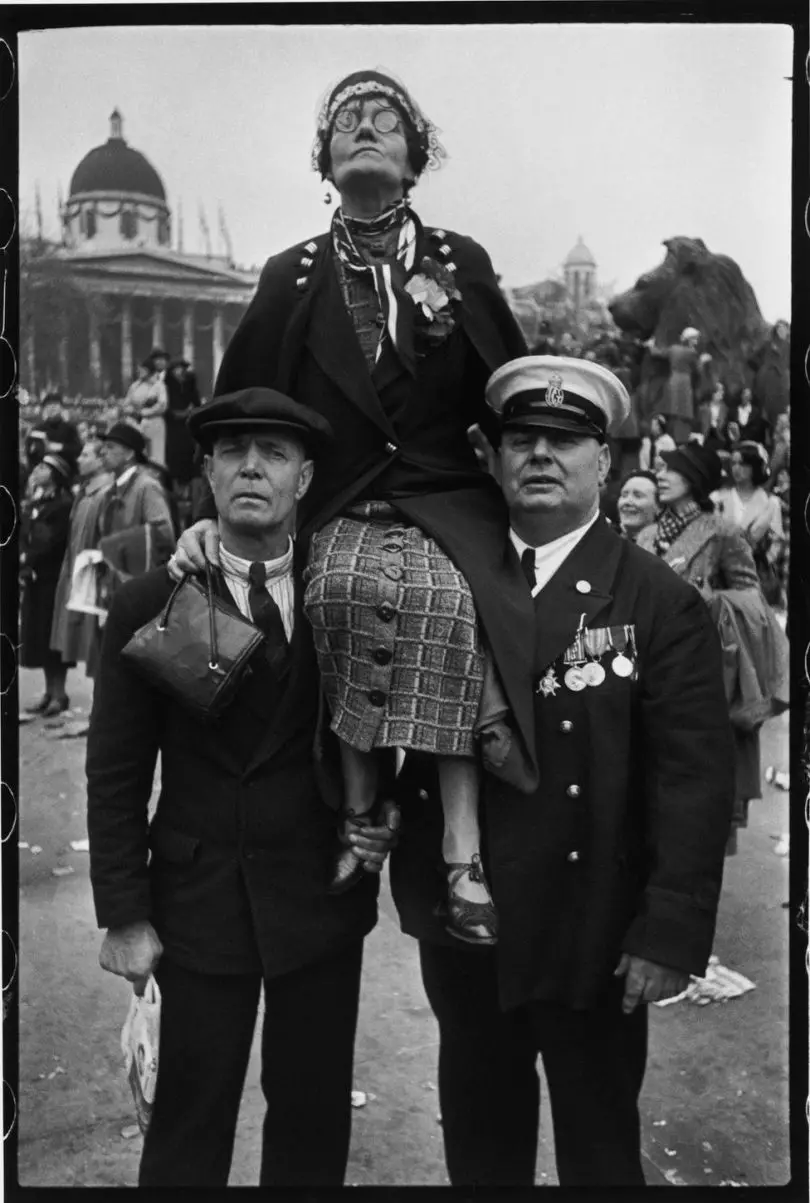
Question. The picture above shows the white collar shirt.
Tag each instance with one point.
(126, 476)
(551, 556)
(278, 583)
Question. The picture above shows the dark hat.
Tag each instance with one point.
(259, 409)
(52, 397)
(60, 464)
(560, 393)
(157, 353)
(701, 466)
(179, 363)
(127, 436)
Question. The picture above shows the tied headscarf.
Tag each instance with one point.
(388, 278)
(672, 523)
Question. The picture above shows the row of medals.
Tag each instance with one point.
(585, 656)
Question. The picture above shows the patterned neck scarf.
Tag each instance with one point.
(671, 524)
(388, 278)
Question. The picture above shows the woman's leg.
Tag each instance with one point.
(459, 788)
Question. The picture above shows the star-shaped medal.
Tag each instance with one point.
(548, 685)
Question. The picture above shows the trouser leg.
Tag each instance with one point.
(489, 1092)
(307, 1062)
(594, 1062)
(206, 1029)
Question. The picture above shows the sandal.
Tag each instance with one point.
(465, 917)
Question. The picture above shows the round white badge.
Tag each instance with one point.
(593, 673)
(583, 586)
(575, 680)
(622, 666)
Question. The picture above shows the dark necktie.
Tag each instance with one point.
(267, 616)
(527, 564)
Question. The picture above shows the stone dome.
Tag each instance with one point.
(116, 167)
(580, 256)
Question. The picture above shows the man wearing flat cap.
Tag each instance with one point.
(607, 878)
(224, 893)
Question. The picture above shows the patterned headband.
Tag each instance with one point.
(426, 131)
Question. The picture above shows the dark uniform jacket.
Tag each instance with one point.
(233, 868)
(621, 847)
(399, 438)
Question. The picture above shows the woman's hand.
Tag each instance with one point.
(372, 845)
(196, 545)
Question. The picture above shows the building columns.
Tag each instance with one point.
(157, 326)
(218, 339)
(188, 332)
(126, 343)
(95, 353)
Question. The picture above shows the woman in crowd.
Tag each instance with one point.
(712, 421)
(43, 541)
(637, 505)
(680, 391)
(73, 634)
(147, 401)
(390, 331)
(703, 548)
(658, 440)
(181, 454)
(748, 507)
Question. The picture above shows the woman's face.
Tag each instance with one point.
(368, 145)
(719, 392)
(741, 472)
(672, 487)
(638, 504)
(655, 428)
(41, 477)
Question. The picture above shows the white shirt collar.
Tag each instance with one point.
(549, 549)
(274, 569)
(125, 476)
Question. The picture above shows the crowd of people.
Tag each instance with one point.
(122, 487)
(533, 679)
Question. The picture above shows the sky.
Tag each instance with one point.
(623, 134)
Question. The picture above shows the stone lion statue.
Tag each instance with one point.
(695, 287)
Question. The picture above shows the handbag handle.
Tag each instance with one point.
(163, 621)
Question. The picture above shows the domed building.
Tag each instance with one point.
(579, 272)
(142, 291)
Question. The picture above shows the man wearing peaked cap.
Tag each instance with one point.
(607, 879)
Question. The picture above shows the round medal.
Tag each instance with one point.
(622, 666)
(593, 673)
(574, 679)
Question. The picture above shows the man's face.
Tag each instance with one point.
(51, 410)
(257, 477)
(638, 503)
(90, 459)
(366, 151)
(160, 363)
(116, 457)
(546, 471)
(746, 396)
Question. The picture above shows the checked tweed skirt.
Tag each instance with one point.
(396, 635)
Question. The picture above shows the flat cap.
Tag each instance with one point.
(259, 409)
(560, 393)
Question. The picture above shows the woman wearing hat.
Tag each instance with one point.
(43, 541)
(390, 330)
(705, 549)
(147, 400)
(757, 514)
(678, 401)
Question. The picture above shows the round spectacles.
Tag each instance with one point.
(385, 121)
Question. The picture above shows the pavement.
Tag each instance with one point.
(715, 1099)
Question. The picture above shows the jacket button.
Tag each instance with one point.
(573, 857)
(391, 448)
(573, 791)
(377, 697)
(385, 611)
(380, 318)
(566, 726)
(381, 655)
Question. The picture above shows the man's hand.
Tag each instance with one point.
(131, 952)
(647, 982)
(198, 543)
(372, 844)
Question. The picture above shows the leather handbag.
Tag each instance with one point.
(196, 650)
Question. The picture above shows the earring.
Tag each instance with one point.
(327, 200)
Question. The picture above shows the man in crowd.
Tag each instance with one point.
(135, 523)
(607, 879)
(234, 896)
(54, 434)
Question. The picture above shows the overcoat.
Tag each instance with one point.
(43, 540)
(620, 848)
(399, 438)
(140, 499)
(73, 634)
(232, 870)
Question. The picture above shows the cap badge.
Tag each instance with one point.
(554, 393)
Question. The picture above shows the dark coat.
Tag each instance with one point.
(57, 432)
(398, 438)
(181, 450)
(43, 542)
(637, 780)
(756, 430)
(241, 839)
